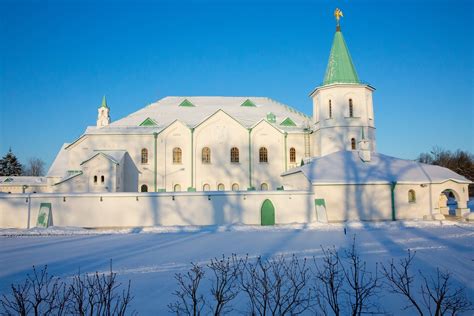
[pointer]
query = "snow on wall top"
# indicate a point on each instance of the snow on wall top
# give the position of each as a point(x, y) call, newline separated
point(347, 167)
point(168, 109)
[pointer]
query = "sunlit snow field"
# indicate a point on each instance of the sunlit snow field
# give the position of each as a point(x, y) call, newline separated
point(150, 257)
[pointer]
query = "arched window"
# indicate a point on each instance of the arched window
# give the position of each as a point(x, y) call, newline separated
point(206, 155)
point(264, 187)
point(263, 154)
point(292, 154)
point(411, 196)
point(206, 187)
point(234, 154)
point(102, 179)
point(177, 188)
point(353, 143)
point(95, 179)
point(351, 108)
point(144, 188)
point(235, 187)
point(144, 155)
point(177, 155)
point(330, 109)
point(220, 187)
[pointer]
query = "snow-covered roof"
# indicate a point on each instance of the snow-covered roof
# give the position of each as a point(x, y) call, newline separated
point(347, 167)
point(60, 163)
point(22, 180)
point(198, 109)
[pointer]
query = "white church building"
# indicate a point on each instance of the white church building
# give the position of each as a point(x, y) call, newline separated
point(302, 167)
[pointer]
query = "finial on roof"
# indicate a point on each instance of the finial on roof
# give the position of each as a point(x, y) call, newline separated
point(104, 102)
point(338, 14)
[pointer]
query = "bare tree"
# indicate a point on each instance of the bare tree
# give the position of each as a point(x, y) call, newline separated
point(400, 280)
point(225, 285)
point(362, 285)
point(277, 287)
point(329, 282)
point(190, 301)
point(440, 297)
point(35, 167)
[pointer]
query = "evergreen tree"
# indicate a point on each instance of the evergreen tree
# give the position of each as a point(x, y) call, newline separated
point(10, 166)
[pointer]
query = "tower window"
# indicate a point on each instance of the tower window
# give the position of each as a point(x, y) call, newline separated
point(206, 155)
point(353, 143)
point(263, 154)
point(330, 109)
point(411, 196)
point(351, 108)
point(177, 155)
point(144, 188)
point(234, 154)
point(102, 179)
point(95, 179)
point(144, 155)
point(292, 154)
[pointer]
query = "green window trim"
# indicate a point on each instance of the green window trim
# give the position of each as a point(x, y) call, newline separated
point(287, 122)
point(248, 103)
point(148, 122)
point(186, 103)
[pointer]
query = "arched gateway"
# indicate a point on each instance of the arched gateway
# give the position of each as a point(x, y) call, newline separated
point(267, 213)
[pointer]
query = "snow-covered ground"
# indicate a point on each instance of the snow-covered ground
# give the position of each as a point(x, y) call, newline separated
point(150, 257)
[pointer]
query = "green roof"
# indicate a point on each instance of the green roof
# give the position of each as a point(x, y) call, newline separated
point(340, 68)
point(186, 103)
point(148, 122)
point(104, 102)
point(288, 122)
point(248, 103)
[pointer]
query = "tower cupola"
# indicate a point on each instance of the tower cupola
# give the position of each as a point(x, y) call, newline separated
point(103, 116)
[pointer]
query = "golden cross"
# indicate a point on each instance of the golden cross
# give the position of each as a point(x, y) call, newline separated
point(338, 15)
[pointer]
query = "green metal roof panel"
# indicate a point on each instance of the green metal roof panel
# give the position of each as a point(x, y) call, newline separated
point(288, 122)
point(186, 103)
point(248, 103)
point(104, 102)
point(148, 122)
point(340, 68)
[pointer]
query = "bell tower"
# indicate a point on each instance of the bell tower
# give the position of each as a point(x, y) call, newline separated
point(342, 105)
point(103, 117)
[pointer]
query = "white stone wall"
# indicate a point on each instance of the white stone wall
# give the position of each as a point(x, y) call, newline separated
point(334, 133)
point(148, 209)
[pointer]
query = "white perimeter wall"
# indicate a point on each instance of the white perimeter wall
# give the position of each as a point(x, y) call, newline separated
point(148, 209)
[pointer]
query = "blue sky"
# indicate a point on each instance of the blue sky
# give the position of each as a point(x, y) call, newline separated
point(58, 58)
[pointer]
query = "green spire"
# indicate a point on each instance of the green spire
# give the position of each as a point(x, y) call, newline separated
point(340, 68)
point(104, 103)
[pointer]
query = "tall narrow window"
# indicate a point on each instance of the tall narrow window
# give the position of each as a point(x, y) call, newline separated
point(292, 154)
point(234, 154)
point(235, 187)
point(351, 108)
point(144, 155)
point(353, 143)
point(264, 187)
point(177, 188)
point(177, 155)
point(263, 154)
point(206, 187)
point(144, 188)
point(206, 155)
point(95, 179)
point(330, 109)
point(411, 196)
point(102, 179)
point(220, 187)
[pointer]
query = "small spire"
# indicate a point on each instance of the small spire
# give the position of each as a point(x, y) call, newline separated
point(104, 102)
point(338, 14)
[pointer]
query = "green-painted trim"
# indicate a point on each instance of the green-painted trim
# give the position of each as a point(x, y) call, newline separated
point(280, 188)
point(155, 163)
point(148, 122)
point(186, 103)
point(250, 159)
point(192, 158)
point(248, 103)
point(191, 189)
point(286, 152)
point(161, 190)
point(392, 191)
point(287, 122)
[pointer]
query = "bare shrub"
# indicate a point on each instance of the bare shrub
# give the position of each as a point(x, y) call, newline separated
point(190, 301)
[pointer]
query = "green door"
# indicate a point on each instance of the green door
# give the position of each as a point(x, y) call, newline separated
point(268, 213)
